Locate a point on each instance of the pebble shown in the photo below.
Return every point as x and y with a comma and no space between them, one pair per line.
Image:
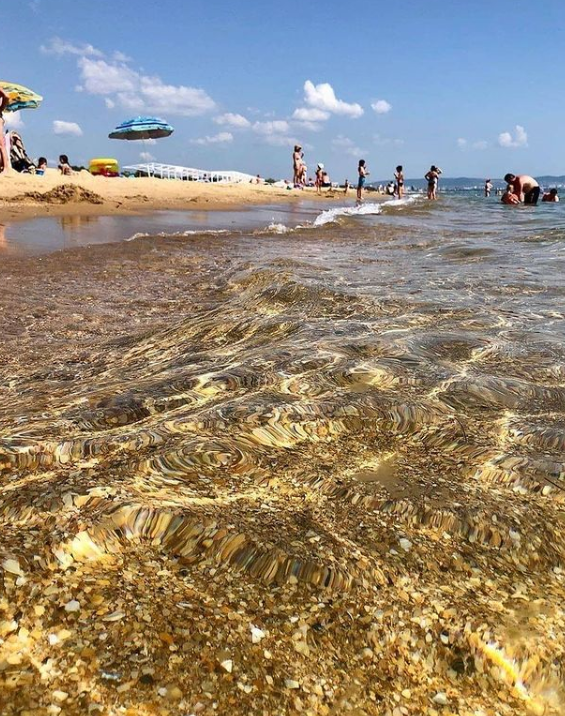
227,665
257,634
291,684
72,606
441,699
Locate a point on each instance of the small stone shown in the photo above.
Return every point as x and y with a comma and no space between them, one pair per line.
405,544
441,699
72,606
60,696
227,665
12,566
291,684
257,634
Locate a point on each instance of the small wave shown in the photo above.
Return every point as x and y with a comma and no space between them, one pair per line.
331,215
188,232
405,201
278,228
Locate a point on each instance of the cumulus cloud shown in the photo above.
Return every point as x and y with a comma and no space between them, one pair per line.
384,141
13,120
269,128
70,129
57,46
146,156
462,143
141,93
381,106
220,138
519,139
230,119
310,114
347,146
322,97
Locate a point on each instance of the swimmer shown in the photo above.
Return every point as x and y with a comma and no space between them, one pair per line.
551,196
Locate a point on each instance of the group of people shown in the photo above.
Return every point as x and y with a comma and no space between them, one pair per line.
524,189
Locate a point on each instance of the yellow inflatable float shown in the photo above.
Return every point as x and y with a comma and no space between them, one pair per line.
104,166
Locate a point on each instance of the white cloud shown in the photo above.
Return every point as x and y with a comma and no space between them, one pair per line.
109,102
281,140
141,93
276,126
347,146
322,97
149,141
57,46
70,129
229,119
462,143
146,156
220,138
13,120
381,106
480,144
311,114
385,141
520,138
121,57
309,126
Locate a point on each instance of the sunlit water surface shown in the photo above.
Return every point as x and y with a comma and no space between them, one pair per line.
359,410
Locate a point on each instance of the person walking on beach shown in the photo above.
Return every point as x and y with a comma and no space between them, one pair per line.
319,178
297,164
488,187
399,179
525,187
432,177
363,173
4,159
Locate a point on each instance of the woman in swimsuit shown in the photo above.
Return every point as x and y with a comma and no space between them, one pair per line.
399,178
432,178
362,171
297,163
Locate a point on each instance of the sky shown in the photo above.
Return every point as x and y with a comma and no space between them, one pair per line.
473,86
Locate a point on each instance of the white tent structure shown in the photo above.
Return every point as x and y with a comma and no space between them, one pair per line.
171,171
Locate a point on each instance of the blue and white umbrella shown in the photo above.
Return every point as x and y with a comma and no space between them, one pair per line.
142,128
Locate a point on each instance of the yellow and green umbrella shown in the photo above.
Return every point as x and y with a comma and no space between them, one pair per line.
20,97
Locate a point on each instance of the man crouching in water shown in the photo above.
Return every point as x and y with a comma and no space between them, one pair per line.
525,187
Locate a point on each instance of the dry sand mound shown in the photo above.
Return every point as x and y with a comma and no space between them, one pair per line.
62,194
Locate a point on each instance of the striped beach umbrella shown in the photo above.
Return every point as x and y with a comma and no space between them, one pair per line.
142,128
20,97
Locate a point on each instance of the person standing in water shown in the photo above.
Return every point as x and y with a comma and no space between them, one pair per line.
363,173
488,187
399,180
346,186
525,187
4,158
432,177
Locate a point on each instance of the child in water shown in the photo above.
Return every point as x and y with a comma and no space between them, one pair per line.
509,197
363,173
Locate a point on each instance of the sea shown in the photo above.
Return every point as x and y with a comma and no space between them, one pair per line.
302,458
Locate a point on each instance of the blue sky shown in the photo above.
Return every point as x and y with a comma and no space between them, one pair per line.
471,85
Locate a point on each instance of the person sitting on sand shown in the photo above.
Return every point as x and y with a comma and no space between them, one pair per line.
509,197
363,173
4,160
64,166
525,187
399,179
41,166
551,195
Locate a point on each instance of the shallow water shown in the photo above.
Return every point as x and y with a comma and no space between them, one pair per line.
354,427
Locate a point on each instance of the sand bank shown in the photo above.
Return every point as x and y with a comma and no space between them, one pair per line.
23,196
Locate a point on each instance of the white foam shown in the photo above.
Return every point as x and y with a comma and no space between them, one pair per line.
405,201
277,228
331,215
188,232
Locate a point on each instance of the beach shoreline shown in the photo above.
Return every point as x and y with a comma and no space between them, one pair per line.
21,195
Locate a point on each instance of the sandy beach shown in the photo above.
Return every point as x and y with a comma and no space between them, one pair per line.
22,196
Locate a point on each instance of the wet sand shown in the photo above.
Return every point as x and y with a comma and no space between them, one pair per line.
317,472
21,195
